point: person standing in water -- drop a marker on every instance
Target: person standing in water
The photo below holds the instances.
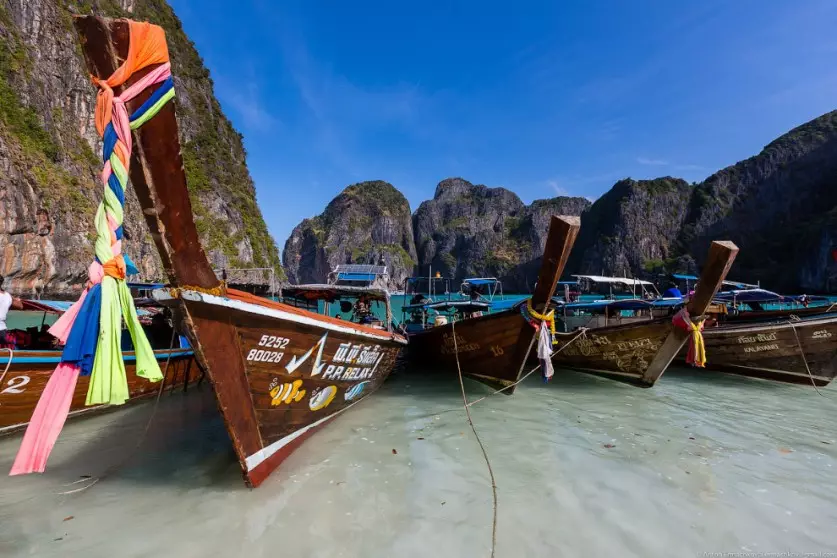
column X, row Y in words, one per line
column 7, row 301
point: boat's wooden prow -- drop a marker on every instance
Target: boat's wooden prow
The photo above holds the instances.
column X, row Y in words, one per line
column 721, row 256
column 492, row 348
column 168, row 214
column 563, row 230
column 279, row 373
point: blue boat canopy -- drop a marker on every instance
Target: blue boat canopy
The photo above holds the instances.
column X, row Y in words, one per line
column 481, row 281
column 684, row 277
column 363, row 277
column 749, row 295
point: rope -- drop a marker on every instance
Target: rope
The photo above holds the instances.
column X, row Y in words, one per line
column 802, row 353
column 133, row 452
column 8, row 364
column 477, row 436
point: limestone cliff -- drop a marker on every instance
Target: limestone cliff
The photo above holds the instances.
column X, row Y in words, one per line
column 368, row 223
column 475, row 231
column 631, row 229
column 779, row 206
column 48, row 153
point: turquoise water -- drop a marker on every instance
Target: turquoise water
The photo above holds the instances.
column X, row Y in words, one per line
column 701, row 463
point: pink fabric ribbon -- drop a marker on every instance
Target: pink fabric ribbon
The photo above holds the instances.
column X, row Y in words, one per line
column 47, row 421
column 62, row 326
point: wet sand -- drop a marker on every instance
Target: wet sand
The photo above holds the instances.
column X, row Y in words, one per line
column 700, row 463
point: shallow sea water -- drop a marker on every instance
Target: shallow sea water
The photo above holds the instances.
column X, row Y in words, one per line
column 585, row 466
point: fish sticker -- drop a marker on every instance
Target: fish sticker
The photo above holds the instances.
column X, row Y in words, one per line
column 355, row 391
column 321, row 398
column 286, row 393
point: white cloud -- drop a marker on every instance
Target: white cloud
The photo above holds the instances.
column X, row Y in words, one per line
column 557, row 188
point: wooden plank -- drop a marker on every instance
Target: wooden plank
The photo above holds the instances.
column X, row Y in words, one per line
column 561, row 236
column 156, row 166
column 721, row 256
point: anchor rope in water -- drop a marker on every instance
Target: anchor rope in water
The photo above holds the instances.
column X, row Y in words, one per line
column 91, row 329
column 479, row 441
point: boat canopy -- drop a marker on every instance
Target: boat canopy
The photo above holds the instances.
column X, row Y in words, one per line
column 748, row 295
column 448, row 305
column 739, row 285
column 617, row 280
column 682, row 277
column 624, row 304
column 61, row 306
column 364, row 274
column 330, row 293
column 479, row 281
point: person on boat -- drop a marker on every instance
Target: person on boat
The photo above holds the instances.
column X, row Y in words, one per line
column 672, row 292
column 362, row 310
column 7, row 302
column 804, row 300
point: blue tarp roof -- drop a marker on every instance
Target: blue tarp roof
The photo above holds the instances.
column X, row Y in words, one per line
column 684, row 277
column 146, row 285
column 748, row 295
column 60, row 306
column 356, row 277
column 481, row 281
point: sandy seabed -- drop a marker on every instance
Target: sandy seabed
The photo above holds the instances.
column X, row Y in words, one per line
column 585, row 466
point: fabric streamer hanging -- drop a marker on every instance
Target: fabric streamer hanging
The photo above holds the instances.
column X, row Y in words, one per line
column 91, row 329
column 696, row 355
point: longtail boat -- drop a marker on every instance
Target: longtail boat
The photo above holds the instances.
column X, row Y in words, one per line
column 793, row 351
column 493, row 348
column 279, row 372
column 772, row 344
column 639, row 352
column 26, row 368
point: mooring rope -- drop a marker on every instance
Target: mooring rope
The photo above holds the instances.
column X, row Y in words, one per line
column 133, row 452
column 8, row 364
column 479, row 441
column 802, row 353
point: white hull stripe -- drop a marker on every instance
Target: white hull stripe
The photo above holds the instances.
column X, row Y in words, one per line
column 163, row 295
column 260, row 456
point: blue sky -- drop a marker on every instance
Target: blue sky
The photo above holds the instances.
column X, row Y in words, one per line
column 544, row 98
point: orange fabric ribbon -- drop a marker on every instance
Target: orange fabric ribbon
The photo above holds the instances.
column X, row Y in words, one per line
column 147, row 47
column 115, row 267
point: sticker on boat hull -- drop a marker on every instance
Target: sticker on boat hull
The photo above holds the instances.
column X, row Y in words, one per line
column 355, row 391
column 321, row 398
column 285, row 392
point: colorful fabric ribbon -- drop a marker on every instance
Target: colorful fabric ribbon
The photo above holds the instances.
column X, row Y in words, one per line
column 91, row 329
column 696, row 355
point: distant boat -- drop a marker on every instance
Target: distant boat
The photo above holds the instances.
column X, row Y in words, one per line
column 25, row 370
column 637, row 351
column 489, row 347
column 776, row 345
column 279, row 372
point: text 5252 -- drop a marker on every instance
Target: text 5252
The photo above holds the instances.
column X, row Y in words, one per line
column 273, row 342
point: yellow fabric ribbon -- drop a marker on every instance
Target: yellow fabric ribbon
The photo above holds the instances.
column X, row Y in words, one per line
column 698, row 345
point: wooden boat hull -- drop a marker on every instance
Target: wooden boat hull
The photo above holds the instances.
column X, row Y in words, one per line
column 771, row 351
column 30, row 371
column 486, row 347
column 267, row 413
column 281, row 375
column 623, row 352
column 765, row 315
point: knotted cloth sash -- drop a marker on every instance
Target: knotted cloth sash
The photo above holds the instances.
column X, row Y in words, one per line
column 91, row 329
column 696, row 355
